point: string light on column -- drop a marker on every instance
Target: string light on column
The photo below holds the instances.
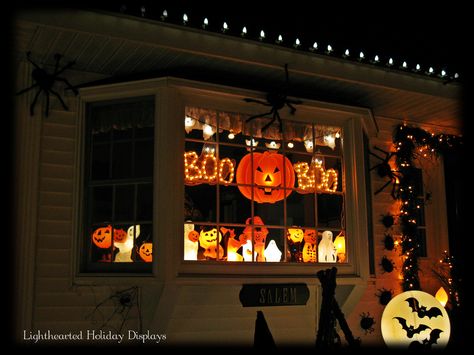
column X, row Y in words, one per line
column 412, row 143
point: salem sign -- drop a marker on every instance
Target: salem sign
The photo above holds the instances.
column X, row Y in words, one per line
column 269, row 295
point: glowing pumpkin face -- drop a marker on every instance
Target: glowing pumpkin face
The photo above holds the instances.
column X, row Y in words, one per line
column 295, row 235
column 146, row 252
column 102, row 237
column 119, row 235
column 270, row 174
column 193, row 236
column 310, row 236
column 209, row 239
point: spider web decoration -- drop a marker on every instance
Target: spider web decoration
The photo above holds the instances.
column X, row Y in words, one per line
column 276, row 100
column 44, row 82
column 114, row 311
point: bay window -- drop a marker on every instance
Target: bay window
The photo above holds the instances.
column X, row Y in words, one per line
column 261, row 195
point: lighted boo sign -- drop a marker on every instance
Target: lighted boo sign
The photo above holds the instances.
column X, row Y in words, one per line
column 269, row 172
column 415, row 320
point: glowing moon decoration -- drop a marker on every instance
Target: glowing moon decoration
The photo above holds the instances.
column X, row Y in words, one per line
column 415, row 320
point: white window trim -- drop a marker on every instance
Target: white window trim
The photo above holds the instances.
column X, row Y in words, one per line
column 172, row 95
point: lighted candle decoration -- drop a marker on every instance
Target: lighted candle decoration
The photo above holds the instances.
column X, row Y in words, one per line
column 340, row 243
column 308, row 144
column 442, row 296
column 272, row 253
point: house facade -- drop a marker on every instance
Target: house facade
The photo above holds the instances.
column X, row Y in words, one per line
column 150, row 203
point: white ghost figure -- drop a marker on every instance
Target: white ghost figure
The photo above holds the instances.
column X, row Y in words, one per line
column 247, row 251
column 272, row 253
column 125, row 248
column 190, row 247
column 327, row 251
column 330, row 141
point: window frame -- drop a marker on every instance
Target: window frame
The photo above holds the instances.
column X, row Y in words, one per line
column 171, row 97
column 88, row 266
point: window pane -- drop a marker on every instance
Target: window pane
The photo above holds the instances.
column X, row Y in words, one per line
column 270, row 213
column 143, row 159
column 124, row 202
column 329, row 210
column 101, row 204
column 300, row 210
column 119, row 215
column 100, row 162
column 122, row 160
column 144, row 202
column 234, row 207
column 200, row 203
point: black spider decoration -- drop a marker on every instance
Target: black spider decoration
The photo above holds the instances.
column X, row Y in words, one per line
column 276, row 100
column 45, row 81
column 367, row 322
column 121, row 303
column 385, row 170
column 388, row 220
column 384, row 296
column 387, row 264
column 389, row 242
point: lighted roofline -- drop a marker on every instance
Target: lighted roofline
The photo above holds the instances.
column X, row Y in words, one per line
column 238, row 50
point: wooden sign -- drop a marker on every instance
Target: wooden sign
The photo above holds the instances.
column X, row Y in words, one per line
column 271, row 295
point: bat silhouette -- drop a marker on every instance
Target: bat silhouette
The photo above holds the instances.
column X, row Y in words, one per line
column 411, row 330
column 422, row 311
column 426, row 343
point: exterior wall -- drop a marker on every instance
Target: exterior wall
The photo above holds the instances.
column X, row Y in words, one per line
column 436, row 229
column 54, row 300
